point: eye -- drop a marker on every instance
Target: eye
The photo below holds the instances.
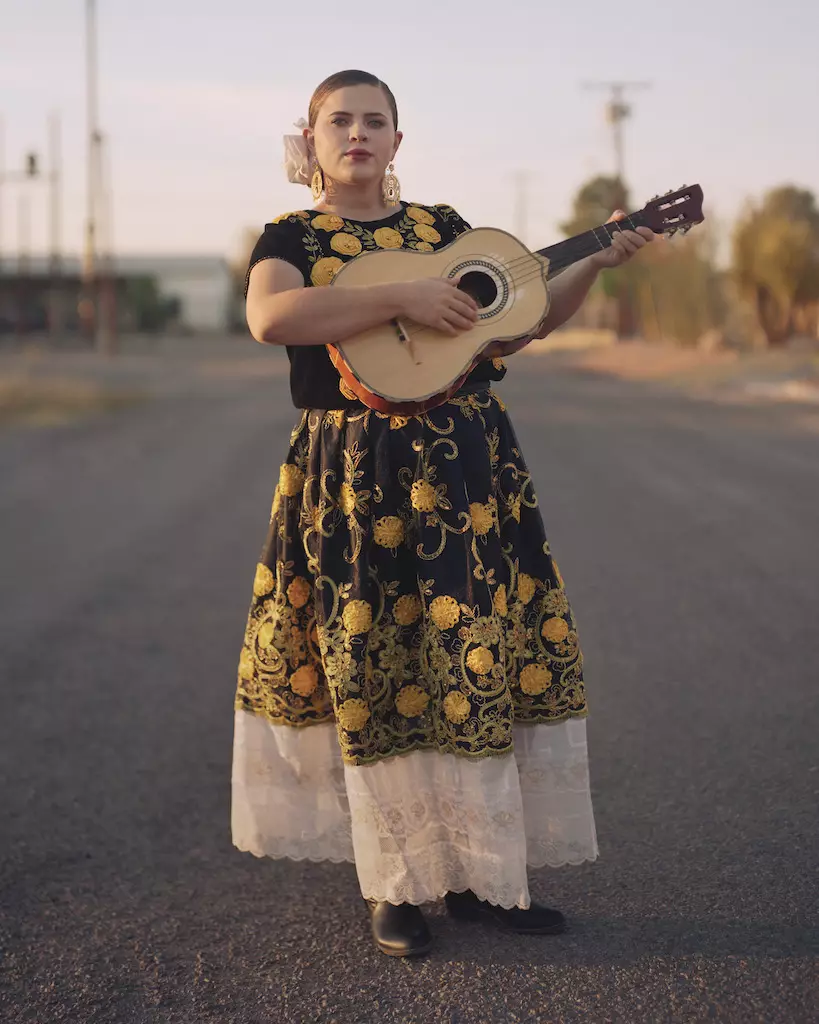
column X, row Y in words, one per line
column 338, row 120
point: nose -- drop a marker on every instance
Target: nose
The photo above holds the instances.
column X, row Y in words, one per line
column 358, row 133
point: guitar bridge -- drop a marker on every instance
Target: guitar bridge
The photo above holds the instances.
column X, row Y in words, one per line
column 406, row 340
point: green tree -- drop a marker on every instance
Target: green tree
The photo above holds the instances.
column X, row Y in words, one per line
column 593, row 205
column 776, row 259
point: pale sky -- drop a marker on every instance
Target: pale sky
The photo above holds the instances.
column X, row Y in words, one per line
column 195, row 96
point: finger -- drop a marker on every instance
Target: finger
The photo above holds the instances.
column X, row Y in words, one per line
column 463, row 303
column 445, row 327
column 617, row 215
column 461, row 323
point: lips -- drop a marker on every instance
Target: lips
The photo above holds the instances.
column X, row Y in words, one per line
column 359, row 153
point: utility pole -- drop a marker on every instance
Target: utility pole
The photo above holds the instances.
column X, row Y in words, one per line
column 617, row 110
column 90, row 307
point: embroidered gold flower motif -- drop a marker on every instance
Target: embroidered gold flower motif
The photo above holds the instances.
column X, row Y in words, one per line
column 266, row 633
column 397, row 422
column 291, row 480
column 558, row 576
column 499, row 364
column 337, row 417
column 324, row 270
column 346, row 390
column 277, row 501
column 482, row 519
column 480, row 660
column 246, row 664
column 419, row 215
column 387, row 238
column 347, row 245
column 407, row 610
column 423, row 247
column 388, row 532
column 298, row 593
column 411, row 701
column 426, row 233
column 526, row 588
column 456, row 707
column 328, row 222
column 358, row 617
column 535, row 679
column 304, row 680
column 286, row 216
column 499, row 601
column 264, row 580
column 445, row 612
column 514, row 507
column 556, row 602
column 555, row 630
column 422, row 496
column 353, row 714
column 346, row 499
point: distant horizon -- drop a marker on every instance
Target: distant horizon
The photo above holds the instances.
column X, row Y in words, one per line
column 194, row 110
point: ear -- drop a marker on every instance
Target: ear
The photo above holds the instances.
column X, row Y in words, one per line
column 398, row 137
column 310, row 140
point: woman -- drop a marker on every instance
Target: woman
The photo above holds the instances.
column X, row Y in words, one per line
column 410, row 691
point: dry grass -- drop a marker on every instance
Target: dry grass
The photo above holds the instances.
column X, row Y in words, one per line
column 28, row 401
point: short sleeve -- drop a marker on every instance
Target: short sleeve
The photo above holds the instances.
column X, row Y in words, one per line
column 282, row 239
column 452, row 219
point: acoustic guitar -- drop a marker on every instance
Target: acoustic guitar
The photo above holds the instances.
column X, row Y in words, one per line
column 405, row 367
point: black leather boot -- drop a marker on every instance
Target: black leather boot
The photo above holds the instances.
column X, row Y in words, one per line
column 399, row 930
column 537, row 920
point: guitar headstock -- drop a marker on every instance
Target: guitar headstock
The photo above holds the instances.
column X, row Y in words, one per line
column 675, row 211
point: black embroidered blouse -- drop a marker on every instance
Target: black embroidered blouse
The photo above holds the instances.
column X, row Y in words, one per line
column 318, row 244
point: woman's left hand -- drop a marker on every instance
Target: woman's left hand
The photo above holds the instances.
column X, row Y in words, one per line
column 623, row 246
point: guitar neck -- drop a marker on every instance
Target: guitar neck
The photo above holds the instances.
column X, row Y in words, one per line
column 564, row 254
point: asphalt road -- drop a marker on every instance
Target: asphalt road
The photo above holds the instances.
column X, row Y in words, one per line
column 687, row 535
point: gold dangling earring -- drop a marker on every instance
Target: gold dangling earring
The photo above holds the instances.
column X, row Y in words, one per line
column 317, row 184
column 391, row 187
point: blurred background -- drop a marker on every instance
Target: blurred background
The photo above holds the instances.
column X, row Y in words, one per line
column 141, row 151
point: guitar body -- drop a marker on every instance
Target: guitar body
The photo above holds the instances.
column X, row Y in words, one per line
column 403, row 367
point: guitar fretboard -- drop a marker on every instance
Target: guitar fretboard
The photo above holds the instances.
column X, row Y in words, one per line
column 564, row 254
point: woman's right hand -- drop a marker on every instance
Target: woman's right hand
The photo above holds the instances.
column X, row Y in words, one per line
column 437, row 302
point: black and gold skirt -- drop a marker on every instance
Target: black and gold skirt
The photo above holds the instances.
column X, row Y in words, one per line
column 406, row 588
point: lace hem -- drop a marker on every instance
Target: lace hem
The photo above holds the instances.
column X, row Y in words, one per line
column 420, row 825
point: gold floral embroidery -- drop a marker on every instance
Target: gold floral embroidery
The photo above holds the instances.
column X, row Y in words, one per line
column 388, row 238
column 325, row 270
column 535, row 679
column 398, row 422
column 482, row 520
column 389, row 532
column 423, row 496
column 327, row 222
column 353, row 714
column 480, row 660
column 346, row 499
column 499, row 601
column 445, row 612
column 456, row 707
column 298, row 593
column 347, row 245
column 426, row 233
column 526, row 588
column 419, row 215
column 246, row 664
column 555, row 630
column 556, row 603
column 424, row 247
column 407, row 610
column 291, row 480
column 304, row 680
column 264, row 580
column 358, row 617
column 411, row 701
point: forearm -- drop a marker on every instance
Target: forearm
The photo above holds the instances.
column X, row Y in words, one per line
column 568, row 293
column 322, row 316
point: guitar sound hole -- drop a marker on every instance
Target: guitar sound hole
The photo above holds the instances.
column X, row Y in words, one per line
column 480, row 286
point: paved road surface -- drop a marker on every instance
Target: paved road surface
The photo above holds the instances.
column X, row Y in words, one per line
column 687, row 533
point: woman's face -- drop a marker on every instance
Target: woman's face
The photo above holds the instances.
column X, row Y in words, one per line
column 354, row 137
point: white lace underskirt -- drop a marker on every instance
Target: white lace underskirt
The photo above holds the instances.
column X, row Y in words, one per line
column 420, row 824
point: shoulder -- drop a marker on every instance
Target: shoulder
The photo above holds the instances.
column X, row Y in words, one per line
column 281, row 239
column 439, row 215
